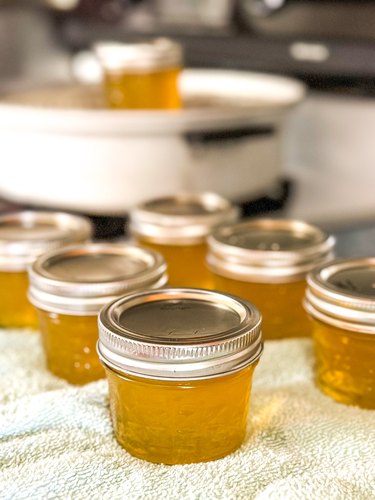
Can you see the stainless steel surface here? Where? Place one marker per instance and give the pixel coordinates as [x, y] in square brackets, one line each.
[81, 279]
[179, 334]
[342, 293]
[158, 54]
[25, 235]
[268, 250]
[181, 219]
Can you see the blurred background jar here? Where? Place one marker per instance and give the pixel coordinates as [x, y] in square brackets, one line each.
[69, 286]
[141, 75]
[341, 300]
[266, 261]
[177, 226]
[179, 363]
[23, 237]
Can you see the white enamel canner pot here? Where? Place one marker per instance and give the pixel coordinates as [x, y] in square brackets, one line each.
[60, 148]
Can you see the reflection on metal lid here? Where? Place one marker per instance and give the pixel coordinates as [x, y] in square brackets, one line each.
[25, 235]
[268, 249]
[81, 279]
[181, 219]
[179, 333]
[342, 293]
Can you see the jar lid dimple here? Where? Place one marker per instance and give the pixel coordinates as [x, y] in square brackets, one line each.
[268, 250]
[155, 54]
[81, 279]
[178, 333]
[181, 219]
[25, 235]
[342, 293]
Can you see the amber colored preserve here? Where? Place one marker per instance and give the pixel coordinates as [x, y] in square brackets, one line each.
[179, 363]
[265, 261]
[177, 227]
[15, 308]
[68, 288]
[24, 236]
[151, 90]
[280, 304]
[141, 75]
[341, 301]
[175, 422]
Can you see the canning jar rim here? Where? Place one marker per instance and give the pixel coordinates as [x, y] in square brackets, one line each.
[262, 265]
[181, 229]
[161, 358]
[80, 297]
[157, 54]
[339, 307]
[17, 255]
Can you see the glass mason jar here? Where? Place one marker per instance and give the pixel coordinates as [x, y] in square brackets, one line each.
[179, 363]
[266, 261]
[141, 75]
[340, 298]
[177, 226]
[68, 287]
[24, 236]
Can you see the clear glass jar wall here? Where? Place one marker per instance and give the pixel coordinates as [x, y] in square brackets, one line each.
[179, 363]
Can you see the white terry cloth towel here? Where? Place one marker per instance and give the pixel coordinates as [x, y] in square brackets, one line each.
[57, 440]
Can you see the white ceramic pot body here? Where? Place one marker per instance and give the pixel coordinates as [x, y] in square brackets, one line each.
[57, 153]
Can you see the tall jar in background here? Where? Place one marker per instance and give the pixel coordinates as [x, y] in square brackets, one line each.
[266, 261]
[69, 286]
[179, 363]
[23, 237]
[177, 226]
[141, 75]
[340, 298]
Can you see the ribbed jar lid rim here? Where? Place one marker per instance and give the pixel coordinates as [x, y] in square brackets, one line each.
[25, 235]
[155, 54]
[342, 293]
[179, 333]
[82, 278]
[268, 250]
[181, 218]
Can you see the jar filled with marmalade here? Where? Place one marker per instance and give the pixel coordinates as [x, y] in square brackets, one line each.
[69, 286]
[24, 236]
[266, 261]
[179, 363]
[177, 226]
[141, 75]
[340, 298]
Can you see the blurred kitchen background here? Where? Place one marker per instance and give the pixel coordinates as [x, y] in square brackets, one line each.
[327, 173]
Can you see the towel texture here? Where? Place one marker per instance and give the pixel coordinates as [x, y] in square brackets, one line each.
[57, 441]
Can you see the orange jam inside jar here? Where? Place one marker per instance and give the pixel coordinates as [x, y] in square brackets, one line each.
[69, 286]
[340, 298]
[179, 363]
[141, 75]
[177, 226]
[24, 236]
[266, 261]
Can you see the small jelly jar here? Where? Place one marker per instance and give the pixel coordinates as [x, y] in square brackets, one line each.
[141, 75]
[24, 236]
[177, 227]
[266, 261]
[179, 363]
[68, 287]
[340, 298]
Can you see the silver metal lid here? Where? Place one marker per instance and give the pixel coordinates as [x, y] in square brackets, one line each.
[268, 250]
[25, 235]
[182, 219]
[79, 280]
[179, 333]
[342, 293]
[157, 54]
